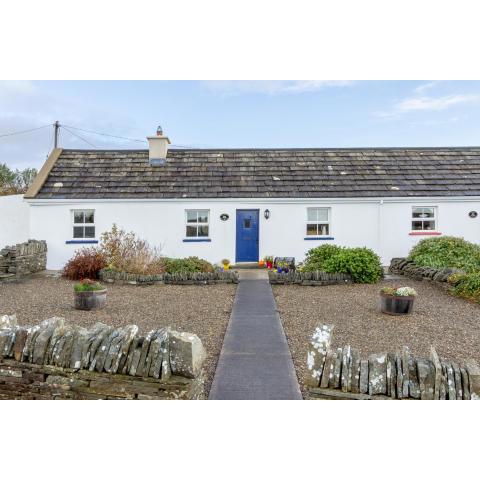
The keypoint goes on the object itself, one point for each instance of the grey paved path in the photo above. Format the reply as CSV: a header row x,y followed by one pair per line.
x,y
255,362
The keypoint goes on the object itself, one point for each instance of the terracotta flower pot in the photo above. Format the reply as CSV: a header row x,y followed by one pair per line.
x,y
396,304
90,300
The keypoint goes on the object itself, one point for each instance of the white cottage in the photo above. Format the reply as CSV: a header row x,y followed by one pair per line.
x,y
243,204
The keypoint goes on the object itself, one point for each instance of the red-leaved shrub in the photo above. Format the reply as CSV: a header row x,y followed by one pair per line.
x,y
86,263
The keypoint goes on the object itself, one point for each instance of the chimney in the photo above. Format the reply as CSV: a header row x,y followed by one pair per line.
x,y
158,148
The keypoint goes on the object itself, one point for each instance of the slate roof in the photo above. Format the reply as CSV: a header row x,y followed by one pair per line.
x,y
260,173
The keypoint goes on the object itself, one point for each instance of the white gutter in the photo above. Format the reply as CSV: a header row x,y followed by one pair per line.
x,y
309,200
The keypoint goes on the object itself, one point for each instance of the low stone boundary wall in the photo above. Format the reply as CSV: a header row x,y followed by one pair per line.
x,y
111,276
314,279
55,360
23,259
341,373
404,266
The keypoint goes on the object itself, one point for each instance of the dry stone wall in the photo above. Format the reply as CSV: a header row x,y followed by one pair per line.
x,y
341,373
111,276
23,259
55,360
314,279
439,276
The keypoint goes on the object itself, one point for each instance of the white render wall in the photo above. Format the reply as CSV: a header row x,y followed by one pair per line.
x,y
383,226
14,220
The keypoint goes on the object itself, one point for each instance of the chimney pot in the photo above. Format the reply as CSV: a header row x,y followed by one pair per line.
x,y
158,148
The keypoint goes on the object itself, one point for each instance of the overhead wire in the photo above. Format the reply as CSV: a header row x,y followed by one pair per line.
x,y
78,136
68,127
106,134
25,131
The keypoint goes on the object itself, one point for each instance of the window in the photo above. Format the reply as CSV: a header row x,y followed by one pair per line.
x,y
83,223
197,223
318,221
423,218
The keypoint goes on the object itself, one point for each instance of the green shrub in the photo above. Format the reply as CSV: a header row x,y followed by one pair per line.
x,y
187,265
361,263
442,252
316,257
88,285
468,286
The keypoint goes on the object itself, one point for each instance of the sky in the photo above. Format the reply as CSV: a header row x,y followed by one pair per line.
x,y
230,114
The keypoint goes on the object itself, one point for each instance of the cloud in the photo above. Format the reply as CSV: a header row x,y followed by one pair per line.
x,y
431,103
425,103
425,86
272,87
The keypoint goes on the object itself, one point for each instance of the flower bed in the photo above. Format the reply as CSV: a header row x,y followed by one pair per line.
x,y
314,279
185,278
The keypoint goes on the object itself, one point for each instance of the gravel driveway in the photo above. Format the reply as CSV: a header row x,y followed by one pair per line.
x,y
200,309
451,324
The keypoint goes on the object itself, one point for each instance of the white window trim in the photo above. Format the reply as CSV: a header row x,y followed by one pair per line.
x,y
73,224
430,219
327,222
197,224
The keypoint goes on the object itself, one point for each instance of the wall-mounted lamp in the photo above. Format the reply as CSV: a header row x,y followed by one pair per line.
x,y
266,214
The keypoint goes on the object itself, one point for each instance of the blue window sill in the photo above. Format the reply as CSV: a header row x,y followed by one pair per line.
x,y
75,242
197,240
319,238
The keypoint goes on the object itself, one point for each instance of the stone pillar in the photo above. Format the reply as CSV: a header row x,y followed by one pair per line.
x,y
317,352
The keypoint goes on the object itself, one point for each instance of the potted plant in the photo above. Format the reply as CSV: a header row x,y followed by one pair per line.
x,y
280,267
269,261
261,263
89,295
226,263
397,300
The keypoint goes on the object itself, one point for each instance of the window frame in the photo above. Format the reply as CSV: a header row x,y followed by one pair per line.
x,y
317,222
197,223
83,225
433,219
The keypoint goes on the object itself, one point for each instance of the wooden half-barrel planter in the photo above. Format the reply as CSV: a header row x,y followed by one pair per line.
x,y
396,304
90,300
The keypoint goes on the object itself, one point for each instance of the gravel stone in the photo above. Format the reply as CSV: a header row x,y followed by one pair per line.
x,y
200,309
448,323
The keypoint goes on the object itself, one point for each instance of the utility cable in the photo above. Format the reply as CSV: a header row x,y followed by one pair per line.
x,y
78,136
24,131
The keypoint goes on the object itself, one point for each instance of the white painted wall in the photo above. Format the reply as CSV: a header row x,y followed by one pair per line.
x,y
384,227
14,220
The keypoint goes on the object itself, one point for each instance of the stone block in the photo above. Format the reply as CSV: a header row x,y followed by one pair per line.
x,y
187,354
363,376
473,370
426,378
346,368
8,321
354,384
337,369
317,352
327,373
377,376
438,372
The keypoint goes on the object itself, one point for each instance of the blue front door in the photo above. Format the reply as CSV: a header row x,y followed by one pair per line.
x,y
247,236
